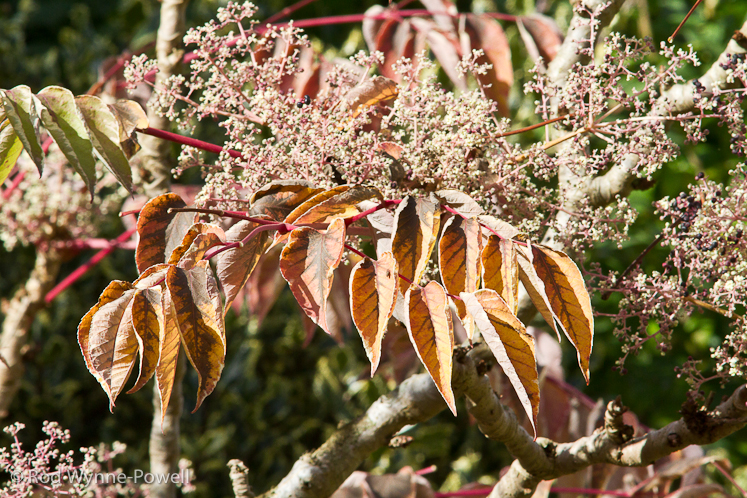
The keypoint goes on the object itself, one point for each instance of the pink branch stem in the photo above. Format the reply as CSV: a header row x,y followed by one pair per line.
x,y
80,271
188,141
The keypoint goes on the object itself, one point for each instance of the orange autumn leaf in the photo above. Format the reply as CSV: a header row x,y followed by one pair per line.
x,y
416,223
160,231
500,270
535,287
277,199
373,293
197,308
148,320
432,334
168,353
308,262
569,299
199,238
235,266
111,343
459,262
369,93
511,345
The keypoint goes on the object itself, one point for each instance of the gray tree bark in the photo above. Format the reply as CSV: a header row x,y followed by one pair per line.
x,y
19,316
155,176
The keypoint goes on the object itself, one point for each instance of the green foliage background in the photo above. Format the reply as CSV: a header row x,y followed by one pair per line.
x,y
277,399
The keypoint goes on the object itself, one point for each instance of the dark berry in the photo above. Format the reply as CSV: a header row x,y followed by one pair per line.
x,y
306,99
299,104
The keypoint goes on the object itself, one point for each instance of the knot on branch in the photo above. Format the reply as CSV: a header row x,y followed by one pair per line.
x,y
614,426
239,474
696,417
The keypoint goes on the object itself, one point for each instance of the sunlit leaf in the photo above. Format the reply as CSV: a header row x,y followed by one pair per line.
x,y
199,238
511,345
194,295
308,262
22,110
148,320
104,132
416,223
500,227
114,291
459,262
373,292
61,119
112,344
535,287
369,93
279,198
160,231
130,117
569,299
500,270
460,202
339,202
10,147
235,266
432,333
168,354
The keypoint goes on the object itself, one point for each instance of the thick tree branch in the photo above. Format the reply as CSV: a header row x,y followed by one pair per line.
x,y
155,176
614,445
676,100
579,37
19,315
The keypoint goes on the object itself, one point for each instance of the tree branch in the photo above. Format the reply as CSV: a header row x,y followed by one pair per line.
x,y
19,315
613,444
678,99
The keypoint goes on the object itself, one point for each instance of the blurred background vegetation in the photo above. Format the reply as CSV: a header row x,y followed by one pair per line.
x,y
278,399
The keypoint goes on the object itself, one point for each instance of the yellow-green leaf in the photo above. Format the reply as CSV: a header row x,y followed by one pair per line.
x,y
22,110
308,262
147,318
196,303
459,262
160,231
235,266
103,129
511,345
432,333
10,147
373,293
416,223
61,119
500,270
569,299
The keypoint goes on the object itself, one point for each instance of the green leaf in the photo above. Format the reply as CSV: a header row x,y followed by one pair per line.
x,y
61,119
20,107
10,147
104,132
